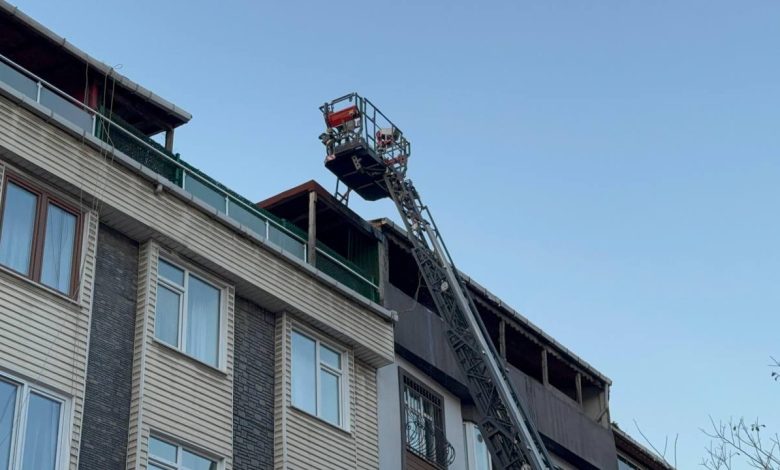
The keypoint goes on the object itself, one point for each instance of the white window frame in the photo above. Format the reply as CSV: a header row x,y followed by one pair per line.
x,y
19,425
342,375
182,291
180,448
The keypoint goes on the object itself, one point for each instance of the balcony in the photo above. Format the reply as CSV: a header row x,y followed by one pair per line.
x,y
421,339
136,145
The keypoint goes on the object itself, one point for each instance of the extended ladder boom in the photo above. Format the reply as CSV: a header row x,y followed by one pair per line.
x,y
372,160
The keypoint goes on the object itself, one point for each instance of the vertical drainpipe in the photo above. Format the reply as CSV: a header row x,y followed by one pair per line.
x,y
312,238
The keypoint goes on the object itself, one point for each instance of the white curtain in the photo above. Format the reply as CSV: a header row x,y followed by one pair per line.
x,y
18,225
40,440
304,378
58,249
203,321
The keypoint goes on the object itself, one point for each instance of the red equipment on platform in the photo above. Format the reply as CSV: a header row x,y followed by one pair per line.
x,y
339,118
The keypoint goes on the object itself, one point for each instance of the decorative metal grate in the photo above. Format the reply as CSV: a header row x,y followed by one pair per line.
x,y
424,425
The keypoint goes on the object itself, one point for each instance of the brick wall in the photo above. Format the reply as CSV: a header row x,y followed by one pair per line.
x,y
107,404
253,387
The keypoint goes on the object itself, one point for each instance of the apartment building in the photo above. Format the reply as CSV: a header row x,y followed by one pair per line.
x,y
150,317
425,410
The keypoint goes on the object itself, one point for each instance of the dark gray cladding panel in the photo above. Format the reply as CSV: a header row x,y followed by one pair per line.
x,y
109,379
253,387
420,338
560,419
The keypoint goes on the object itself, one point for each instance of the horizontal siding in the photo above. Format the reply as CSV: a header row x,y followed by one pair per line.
x,y
310,443
280,384
172,393
43,337
366,421
58,153
134,448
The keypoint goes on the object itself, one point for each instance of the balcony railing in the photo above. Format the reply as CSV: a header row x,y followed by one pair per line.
x,y
426,440
122,136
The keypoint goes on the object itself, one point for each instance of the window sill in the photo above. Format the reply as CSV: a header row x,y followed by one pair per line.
x,y
178,352
305,414
53,292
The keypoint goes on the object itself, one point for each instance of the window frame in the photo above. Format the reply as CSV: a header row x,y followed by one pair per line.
x,y
403,377
21,409
180,448
183,290
343,377
44,199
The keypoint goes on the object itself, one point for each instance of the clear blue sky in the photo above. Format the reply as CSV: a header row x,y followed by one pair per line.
x,y
608,168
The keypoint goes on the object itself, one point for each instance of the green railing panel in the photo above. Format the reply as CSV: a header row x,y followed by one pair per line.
x,y
109,132
346,277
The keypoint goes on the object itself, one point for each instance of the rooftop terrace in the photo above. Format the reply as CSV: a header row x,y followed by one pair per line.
x,y
112,125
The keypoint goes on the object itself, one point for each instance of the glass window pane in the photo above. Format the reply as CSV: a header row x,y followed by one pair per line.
x,y
204,192
40,439
203,321
7,411
304,372
330,409
154,467
66,109
58,248
18,225
162,450
481,454
330,357
191,461
286,242
170,272
248,219
166,318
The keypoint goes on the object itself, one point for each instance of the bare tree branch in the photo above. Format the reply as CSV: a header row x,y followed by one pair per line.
x,y
742,439
661,455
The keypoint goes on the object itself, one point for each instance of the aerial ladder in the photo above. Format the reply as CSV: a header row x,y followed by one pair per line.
x,y
369,155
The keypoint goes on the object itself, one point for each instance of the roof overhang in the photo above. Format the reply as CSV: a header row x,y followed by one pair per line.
x,y
26,40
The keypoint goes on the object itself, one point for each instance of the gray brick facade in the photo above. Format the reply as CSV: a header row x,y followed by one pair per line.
x,y
253,387
107,403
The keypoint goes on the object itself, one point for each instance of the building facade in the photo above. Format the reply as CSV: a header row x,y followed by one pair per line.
x,y
151,318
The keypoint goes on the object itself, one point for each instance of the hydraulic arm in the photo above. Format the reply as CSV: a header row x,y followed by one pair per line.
x,y
369,154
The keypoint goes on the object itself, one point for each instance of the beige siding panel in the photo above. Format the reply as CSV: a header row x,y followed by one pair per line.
x,y
280,406
173,394
366,423
306,442
196,232
44,336
136,445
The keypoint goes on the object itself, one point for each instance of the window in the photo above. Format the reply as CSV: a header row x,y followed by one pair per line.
x,y
38,236
317,379
30,428
424,424
188,313
166,456
478,456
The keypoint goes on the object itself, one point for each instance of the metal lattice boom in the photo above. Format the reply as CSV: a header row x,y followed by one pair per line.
x,y
375,155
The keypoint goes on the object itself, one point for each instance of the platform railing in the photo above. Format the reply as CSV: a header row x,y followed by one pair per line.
x,y
207,190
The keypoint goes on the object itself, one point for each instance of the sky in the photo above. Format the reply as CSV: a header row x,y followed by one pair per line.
x,y
607,168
